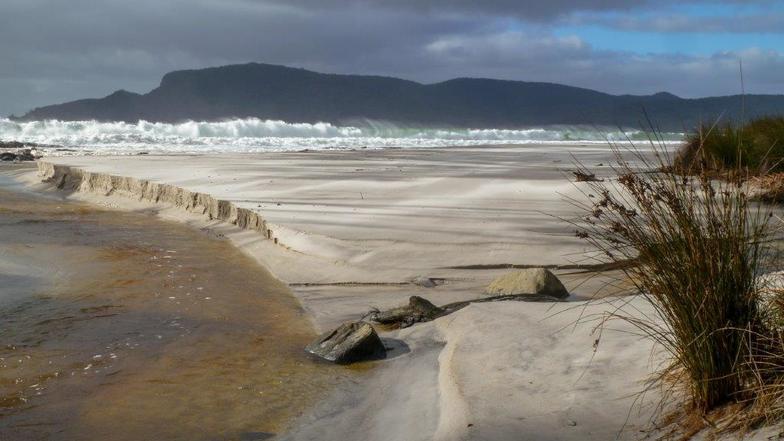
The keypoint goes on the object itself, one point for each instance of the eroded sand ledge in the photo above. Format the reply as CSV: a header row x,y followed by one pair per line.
x,y
75,179
489,372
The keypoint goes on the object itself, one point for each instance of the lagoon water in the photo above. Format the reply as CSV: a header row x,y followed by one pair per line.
x,y
117,325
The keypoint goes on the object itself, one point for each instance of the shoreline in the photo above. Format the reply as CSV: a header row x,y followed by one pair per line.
x,y
377,233
433,386
104,309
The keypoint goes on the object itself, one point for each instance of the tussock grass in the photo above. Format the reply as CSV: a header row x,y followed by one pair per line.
x,y
756,147
767,188
700,247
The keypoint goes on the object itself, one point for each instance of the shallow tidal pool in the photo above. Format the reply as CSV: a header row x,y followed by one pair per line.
x,y
117,325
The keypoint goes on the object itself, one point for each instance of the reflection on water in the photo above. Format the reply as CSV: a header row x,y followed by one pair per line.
x,y
119,326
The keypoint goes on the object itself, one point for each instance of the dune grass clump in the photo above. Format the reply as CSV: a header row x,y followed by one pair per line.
x,y
756,147
767,188
699,247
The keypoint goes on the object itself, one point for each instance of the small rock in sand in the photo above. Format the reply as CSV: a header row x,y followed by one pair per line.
x,y
425,282
348,343
534,281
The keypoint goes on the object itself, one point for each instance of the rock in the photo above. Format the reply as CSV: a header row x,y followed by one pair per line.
x,y
418,310
25,155
13,145
423,308
349,343
425,282
534,281
19,155
392,316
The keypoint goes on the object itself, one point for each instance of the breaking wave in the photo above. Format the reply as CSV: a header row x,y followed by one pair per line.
x,y
256,135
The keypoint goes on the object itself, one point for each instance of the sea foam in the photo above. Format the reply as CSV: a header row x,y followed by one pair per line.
x,y
257,135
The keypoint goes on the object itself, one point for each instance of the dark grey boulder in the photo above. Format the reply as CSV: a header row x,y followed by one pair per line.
x,y
424,307
391,316
349,343
17,156
418,310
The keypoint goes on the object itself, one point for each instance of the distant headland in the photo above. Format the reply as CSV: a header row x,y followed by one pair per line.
x,y
298,95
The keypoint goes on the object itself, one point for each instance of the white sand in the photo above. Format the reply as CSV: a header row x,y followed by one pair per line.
x,y
354,227
516,371
387,216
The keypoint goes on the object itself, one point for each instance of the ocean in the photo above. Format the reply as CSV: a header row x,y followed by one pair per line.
x,y
256,135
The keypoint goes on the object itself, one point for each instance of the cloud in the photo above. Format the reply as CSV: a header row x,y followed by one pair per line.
x,y
771,23
508,49
536,10
54,51
570,60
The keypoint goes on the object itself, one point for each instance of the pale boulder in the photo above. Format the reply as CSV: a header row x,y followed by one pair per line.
x,y
534,281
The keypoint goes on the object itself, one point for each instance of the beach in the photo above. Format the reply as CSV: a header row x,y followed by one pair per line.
x,y
349,231
380,217
359,220
115,324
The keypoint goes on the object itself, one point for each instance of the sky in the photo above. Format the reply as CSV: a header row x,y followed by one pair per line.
x,y
53,51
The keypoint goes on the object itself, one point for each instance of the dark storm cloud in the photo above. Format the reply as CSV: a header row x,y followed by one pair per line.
x,y
527,9
131,44
54,51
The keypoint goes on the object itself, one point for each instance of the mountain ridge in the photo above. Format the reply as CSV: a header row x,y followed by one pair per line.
x,y
299,95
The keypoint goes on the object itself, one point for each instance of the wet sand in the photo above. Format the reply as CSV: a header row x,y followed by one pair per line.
x,y
117,325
